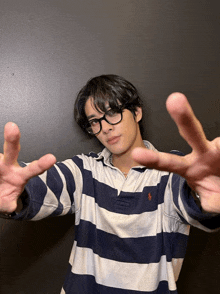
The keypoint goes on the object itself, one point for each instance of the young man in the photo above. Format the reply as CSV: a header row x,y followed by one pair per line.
x,y
133,205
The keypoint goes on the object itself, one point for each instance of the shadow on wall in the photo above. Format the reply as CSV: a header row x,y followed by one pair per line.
x,y
39,253
197,276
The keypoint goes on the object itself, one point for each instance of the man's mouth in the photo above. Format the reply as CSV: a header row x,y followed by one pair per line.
x,y
113,140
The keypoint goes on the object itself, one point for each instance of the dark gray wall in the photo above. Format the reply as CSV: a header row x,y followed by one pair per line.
x,y
48,50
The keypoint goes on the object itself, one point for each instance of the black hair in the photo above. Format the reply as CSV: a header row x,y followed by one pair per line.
x,y
113,89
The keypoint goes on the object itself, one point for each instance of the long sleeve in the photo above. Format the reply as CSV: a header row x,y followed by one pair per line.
x,y
52,193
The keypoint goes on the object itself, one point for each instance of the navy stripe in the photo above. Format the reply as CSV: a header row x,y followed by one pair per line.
x,y
176,152
55,187
179,244
140,169
58,185
192,209
127,202
179,185
86,284
133,250
175,189
92,154
55,183
22,164
32,207
189,203
70,182
79,162
176,183
31,188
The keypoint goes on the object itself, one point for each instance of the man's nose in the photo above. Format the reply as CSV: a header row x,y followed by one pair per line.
x,y
106,127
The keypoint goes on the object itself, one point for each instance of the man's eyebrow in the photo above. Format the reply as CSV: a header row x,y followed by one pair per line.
x,y
91,116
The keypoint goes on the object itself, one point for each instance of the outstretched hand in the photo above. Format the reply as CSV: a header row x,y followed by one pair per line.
x,y
13,178
201,168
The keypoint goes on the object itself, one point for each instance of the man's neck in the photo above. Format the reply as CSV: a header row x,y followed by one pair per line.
x,y
124,161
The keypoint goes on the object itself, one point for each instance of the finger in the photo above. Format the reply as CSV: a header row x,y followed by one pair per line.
x,y
160,160
12,143
189,126
39,166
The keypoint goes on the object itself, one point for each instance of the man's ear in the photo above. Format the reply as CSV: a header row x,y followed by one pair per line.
x,y
138,114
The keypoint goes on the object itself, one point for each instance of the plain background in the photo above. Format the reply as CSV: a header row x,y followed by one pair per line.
x,y
48,51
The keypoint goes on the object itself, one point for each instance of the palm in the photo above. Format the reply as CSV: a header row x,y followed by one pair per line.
x,y
13,177
201,168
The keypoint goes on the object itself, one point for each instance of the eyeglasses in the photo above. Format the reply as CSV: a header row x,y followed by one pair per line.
x,y
112,117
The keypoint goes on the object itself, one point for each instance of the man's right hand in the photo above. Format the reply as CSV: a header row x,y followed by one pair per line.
x,y
13,178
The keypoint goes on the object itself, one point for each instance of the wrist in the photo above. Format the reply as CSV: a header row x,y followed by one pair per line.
x,y
20,206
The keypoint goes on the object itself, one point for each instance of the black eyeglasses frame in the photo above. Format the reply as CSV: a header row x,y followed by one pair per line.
x,y
88,126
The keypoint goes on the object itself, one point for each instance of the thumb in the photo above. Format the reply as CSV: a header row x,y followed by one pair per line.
x,y
39,166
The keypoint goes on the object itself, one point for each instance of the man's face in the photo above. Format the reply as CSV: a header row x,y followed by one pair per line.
x,y
122,137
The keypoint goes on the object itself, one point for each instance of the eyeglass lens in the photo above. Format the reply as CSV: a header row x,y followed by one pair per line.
x,y
111,117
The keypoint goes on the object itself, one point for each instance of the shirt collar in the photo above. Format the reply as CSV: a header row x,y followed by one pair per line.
x,y
106,154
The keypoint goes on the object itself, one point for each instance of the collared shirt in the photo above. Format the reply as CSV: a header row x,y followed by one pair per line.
x,y
130,232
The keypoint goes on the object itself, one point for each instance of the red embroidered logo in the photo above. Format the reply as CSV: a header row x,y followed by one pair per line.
x,y
149,196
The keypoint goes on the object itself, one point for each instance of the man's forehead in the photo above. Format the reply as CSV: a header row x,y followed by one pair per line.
x,y
91,109
91,102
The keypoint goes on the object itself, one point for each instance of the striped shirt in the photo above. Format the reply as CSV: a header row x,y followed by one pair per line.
x,y
130,232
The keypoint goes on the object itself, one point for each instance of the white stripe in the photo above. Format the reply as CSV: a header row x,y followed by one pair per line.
x,y
130,276
127,226
64,197
177,265
114,178
46,209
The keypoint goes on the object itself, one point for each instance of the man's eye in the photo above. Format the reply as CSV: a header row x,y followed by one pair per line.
x,y
93,122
